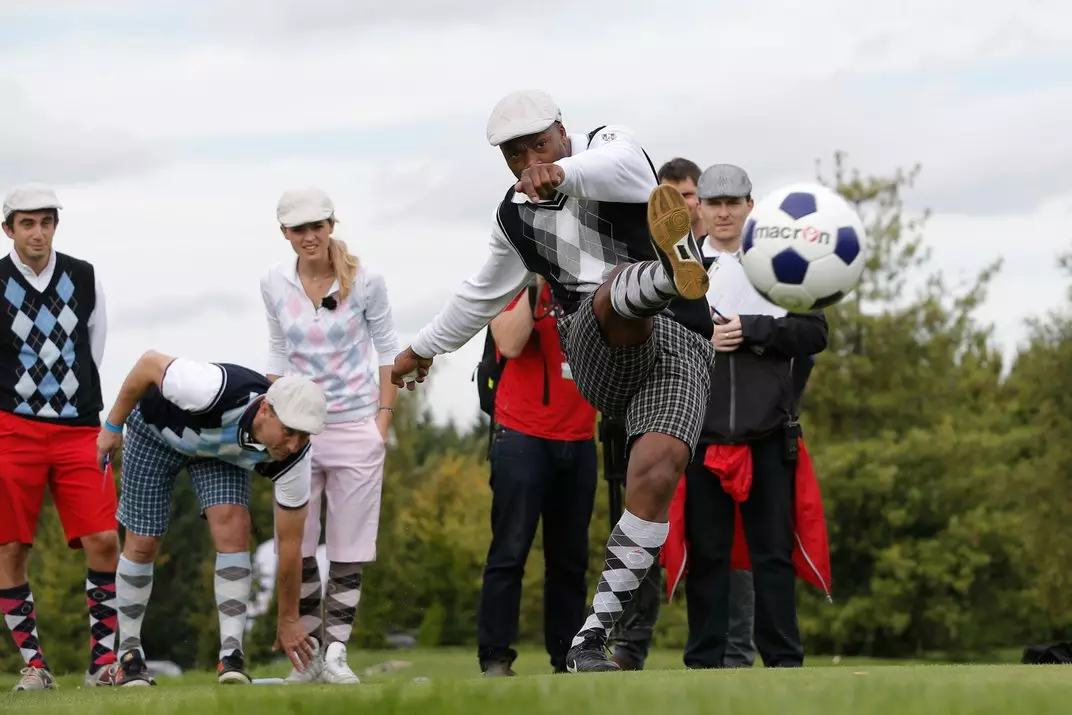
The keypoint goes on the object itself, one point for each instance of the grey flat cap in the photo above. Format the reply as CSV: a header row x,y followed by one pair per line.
x,y
723,180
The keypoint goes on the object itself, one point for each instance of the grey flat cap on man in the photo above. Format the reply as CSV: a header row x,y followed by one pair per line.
x,y
723,180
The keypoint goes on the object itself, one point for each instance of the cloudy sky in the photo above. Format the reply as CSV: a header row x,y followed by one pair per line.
x,y
169,129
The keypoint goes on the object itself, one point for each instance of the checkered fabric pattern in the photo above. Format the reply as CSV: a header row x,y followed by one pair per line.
x,y
46,376
659,386
148,479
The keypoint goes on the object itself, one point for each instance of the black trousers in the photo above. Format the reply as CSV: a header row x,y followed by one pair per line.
x,y
533,478
767,517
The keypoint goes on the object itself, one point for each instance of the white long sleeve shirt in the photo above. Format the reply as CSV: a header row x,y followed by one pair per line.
x,y
612,168
334,348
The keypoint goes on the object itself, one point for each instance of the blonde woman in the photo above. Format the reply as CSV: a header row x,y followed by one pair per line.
x,y
326,314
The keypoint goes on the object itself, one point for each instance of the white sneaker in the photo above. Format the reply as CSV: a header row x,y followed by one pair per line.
x,y
312,672
35,679
336,670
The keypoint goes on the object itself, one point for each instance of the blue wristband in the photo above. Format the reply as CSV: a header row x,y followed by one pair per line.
x,y
112,428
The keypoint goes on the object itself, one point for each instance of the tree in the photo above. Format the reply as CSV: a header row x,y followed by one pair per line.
x,y
903,415
1040,394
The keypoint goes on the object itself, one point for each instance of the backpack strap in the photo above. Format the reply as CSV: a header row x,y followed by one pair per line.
x,y
534,300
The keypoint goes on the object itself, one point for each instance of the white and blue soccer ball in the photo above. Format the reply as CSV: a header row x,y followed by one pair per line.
x,y
804,247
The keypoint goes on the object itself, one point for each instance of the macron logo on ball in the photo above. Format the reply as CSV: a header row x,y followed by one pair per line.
x,y
808,233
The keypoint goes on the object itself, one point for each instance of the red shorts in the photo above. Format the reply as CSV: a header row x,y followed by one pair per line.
x,y
36,454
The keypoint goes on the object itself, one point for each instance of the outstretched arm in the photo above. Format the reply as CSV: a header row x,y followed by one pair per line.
x,y
477,300
613,168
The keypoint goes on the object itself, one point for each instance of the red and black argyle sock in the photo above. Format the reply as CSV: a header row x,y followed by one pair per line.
x,y
17,605
103,618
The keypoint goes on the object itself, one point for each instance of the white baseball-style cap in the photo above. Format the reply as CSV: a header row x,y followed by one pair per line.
x,y
30,197
521,113
299,402
303,205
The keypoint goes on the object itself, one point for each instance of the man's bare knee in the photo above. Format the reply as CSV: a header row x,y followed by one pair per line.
x,y
141,549
13,558
229,524
656,463
102,550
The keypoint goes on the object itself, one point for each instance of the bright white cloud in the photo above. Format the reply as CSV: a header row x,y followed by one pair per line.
x,y
141,132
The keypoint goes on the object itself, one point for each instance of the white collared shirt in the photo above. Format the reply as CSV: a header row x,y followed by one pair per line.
x,y
730,292
98,319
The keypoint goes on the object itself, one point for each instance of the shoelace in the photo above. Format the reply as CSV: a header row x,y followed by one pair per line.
x,y
30,674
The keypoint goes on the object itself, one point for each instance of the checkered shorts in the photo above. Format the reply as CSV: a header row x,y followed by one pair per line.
x,y
148,472
659,386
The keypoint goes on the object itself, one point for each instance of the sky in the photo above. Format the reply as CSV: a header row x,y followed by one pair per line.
x,y
169,129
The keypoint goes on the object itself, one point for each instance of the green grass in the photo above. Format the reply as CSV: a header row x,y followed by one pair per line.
x,y
453,685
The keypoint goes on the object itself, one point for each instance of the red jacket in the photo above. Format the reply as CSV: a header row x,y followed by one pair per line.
x,y
732,465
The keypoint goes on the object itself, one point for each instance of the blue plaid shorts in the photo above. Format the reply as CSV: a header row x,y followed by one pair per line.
x,y
148,472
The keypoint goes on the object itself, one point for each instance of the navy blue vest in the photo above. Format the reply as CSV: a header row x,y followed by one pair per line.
x,y
223,430
46,363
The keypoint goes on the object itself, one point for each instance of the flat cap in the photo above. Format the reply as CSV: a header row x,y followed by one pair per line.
x,y
723,180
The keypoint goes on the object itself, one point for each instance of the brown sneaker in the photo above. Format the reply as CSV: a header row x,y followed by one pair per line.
x,y
670,223
35,679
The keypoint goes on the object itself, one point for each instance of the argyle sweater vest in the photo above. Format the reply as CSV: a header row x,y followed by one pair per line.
x,y
46,364
574,243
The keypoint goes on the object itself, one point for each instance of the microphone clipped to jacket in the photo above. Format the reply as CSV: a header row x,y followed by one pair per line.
x,y
329,302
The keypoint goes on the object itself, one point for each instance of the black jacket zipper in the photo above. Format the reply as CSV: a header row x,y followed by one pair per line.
x,y
733,398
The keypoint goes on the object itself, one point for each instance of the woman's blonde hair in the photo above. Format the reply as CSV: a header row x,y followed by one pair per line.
x,y
344,264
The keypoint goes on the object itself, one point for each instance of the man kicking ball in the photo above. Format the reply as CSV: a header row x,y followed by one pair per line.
x,y
217,421
585,214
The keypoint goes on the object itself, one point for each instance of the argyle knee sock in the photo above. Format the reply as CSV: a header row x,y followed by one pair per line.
x,y
633,548
641,290
340,608
234,578
17,605
103,617
311,600
133,586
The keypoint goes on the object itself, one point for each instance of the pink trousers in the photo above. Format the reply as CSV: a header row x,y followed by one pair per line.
x,y
348,460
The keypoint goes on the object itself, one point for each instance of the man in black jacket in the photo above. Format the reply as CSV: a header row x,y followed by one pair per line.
x,y
752,402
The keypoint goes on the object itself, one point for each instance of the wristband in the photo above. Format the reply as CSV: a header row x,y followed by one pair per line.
x,y
112,428
386,409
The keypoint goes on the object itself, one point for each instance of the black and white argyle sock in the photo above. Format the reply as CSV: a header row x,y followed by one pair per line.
x,y
641,290
632,549
310,600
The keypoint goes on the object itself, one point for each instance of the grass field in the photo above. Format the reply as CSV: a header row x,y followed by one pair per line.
x,y
447,681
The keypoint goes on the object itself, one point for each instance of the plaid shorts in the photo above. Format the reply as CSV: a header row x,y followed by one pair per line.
x,y
661,385
148,472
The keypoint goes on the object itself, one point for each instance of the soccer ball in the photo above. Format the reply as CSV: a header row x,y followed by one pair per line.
x,y
803,247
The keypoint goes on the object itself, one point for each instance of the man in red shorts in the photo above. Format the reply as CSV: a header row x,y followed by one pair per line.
x,y
52,331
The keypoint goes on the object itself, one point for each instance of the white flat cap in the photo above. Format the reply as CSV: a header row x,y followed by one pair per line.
x,y
30,197
300,206
299,403
521,113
